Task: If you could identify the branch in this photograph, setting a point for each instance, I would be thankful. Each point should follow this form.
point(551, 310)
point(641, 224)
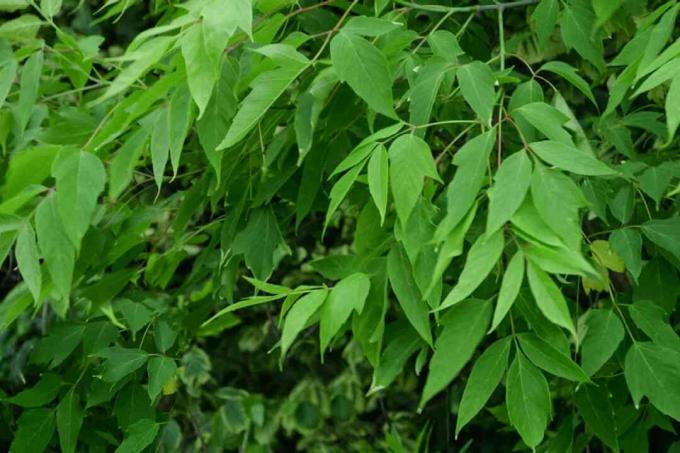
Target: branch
point(466, 9)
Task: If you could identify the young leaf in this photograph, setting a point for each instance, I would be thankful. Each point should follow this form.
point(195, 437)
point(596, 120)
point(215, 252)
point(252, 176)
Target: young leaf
point(378, 179)
point(28, 260)
point(603, 334)
point(510, 286)
point(410, 161)
point(511, 183)
point(481, 259)
point(406, 289)
point(160, 370)
point(477, 86)
point(365, 69)
point(70, 417)
point(463, 328)
point(485, 376)
point(549, 298)
point(347, 296)
point(527, 398)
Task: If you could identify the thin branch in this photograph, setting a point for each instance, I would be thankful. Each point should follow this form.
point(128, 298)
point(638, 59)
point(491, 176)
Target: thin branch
point(466, 9)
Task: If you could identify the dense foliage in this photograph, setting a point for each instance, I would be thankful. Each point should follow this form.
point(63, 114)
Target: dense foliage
point(367, 225)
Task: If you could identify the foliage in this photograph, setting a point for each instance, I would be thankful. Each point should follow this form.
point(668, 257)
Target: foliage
point(270, 225)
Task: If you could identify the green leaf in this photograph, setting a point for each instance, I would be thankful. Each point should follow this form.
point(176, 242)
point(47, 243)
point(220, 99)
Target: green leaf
point(577, 25)
point(80, 179)
point(143, 58)
point(136, 314)
point(266, 89)
point(50, 7)
point(70, 416)
point(365, 69)
point(653, 371)
point(569, 158)
point(672, 107)
point(548, 186)
point(120, 362)
point(40, 394)
point(180, 119)
point(410, 299)
point(603, 334)
point(261, 243)
point(510, 286)
point(8, 72)
point(403, 344)
point(665, 233)
point(570, 74)
point(546, 119)
point(544, 19)
point(545, 356)
point(378, 179)
point(471, 160)
point(28, 91)
point(160, 370)
point(28, 260)
point(138, 436)
point(527, 398)
point(477, 86)
point(481, 259)
point(653, 321)
point(125, 160)
point(549, 298)
point(340, 190)
point(410, 161)
point(347, 296)
point(202, 47)
point(56, 248)
point(604, 9)
point(595, 405)
point(159, 144)
point(58, 344)
point(655, 180)
point(511, 183)
point(627, 243)
point(485, 376)
point(34, 431)
point(298, 317)
point(464, 327)
point(369, 26)
point(424, 94)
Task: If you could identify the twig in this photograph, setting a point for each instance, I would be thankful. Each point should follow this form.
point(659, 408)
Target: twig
point(466, 9)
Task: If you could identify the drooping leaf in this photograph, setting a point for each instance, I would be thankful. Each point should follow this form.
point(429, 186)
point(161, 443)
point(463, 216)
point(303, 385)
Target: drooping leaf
point(603, 334)
point(528, 400)
point(378, 179)
point(364, 68)
point(55, 245)
point(410, 162)
point(510, 286)
point(161, 370)
point(477, 86)
point(347, 296)
point(298, 316)
point(511, 183)
point(569, 158)
point(28, 260)
point(463, 328)
point(485, 376)
point(35, 429)
point(549, 298)
point(406, 289)
point(70, 415)
point(545, 356)
point(481, 259)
